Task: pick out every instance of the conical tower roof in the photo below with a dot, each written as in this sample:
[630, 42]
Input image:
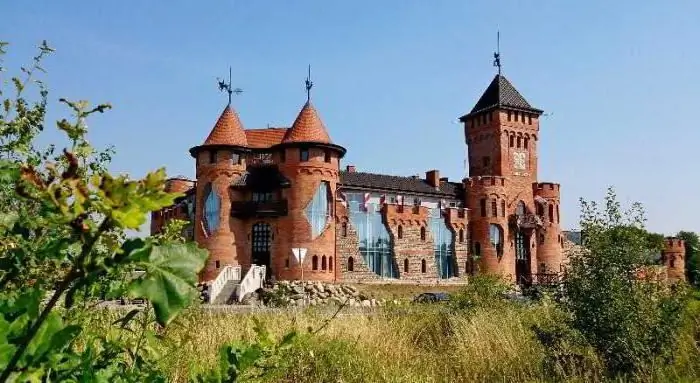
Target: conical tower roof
[307, 127]
[502, 94]
[228, 130]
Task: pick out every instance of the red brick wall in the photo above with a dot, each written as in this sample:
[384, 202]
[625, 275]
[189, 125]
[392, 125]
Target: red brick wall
[674, 258]
[222, 243]
[549, 251]
[295, 228]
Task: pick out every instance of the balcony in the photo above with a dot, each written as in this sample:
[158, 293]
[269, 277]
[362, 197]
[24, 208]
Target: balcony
[526, 221]
[259, 209]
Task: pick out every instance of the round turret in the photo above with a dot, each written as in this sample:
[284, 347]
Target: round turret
[220, 163]
[488, 224]
[673, 257]
[549, 239]
[310, 161]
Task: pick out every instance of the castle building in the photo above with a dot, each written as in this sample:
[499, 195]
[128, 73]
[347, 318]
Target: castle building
[259, 193]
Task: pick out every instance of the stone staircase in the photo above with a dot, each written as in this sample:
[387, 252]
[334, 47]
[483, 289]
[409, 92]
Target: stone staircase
[227, 295]
[229, 288]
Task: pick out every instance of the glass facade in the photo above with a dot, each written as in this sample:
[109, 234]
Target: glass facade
[319, 209]
[212, 206]
[444, 244]
[374, 238]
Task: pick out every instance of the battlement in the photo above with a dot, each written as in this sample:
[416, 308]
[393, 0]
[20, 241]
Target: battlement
[546, 186]
[484, 181]
[548, 190]
[674, 245]
[178, 184]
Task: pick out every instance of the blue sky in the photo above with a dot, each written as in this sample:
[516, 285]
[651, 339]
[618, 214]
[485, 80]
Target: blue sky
[618, 79]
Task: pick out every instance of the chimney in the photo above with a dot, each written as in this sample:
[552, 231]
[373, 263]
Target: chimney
[433, 178]
[443, 180]
[350, 168]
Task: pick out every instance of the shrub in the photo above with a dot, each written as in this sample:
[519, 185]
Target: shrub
[629, 322]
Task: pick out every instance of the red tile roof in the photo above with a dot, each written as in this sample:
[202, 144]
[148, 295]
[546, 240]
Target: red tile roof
[264, 138]
[228, 130]
[308, 127]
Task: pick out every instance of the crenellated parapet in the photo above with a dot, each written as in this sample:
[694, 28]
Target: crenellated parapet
[405, 215]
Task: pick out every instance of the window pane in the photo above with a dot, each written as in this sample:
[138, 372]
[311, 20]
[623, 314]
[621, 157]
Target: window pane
[212, 205]
[373, 236]
[443, 244]
[318, 210]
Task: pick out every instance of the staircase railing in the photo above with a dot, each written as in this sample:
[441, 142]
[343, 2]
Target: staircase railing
[253, 280]
[228, 273]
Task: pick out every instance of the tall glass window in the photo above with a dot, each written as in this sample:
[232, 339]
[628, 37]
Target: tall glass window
[444, 244]
[374, 238]
[496, 236]
[318, 211]
[212, 206]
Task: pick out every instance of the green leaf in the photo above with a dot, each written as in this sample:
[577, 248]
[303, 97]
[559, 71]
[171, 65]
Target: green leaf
[170, 278]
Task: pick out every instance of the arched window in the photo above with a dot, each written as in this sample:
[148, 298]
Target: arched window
[525, 140]
[323, 263]
[496, 237]
[405, 265]
[314, 262]
[330, 263]
[540, 209]
[520, 140]
[399, 232]
[551, 213]
[423, 266]
[212, 207]
[512, 141]
[494, 208]
[351, 264]
[520, 209]
[557, 213]
[461, 236]
[286, 263]
[477, 249]
[422, 233]
[503, 208]
[344, 229]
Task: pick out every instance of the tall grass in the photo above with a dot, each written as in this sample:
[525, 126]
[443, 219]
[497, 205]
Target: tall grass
[401, 344]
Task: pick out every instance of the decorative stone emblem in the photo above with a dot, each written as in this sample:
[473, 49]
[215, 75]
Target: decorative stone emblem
[520, 160]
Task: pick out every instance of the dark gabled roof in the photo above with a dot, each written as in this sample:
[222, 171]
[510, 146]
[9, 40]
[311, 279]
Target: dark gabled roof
[501, 93]
[262, 178]
[398, 184]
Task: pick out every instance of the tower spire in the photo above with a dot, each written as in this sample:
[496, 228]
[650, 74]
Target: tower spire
[309, 85]
[497, 53]
[223, 86]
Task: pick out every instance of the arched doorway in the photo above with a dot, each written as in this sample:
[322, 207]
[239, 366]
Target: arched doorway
[522, 250]
[261, 241]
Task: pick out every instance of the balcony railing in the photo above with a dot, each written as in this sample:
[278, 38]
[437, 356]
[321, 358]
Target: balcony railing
[257, 209]
[526, 221]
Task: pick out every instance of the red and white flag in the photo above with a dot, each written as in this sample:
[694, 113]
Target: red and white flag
[399, 200]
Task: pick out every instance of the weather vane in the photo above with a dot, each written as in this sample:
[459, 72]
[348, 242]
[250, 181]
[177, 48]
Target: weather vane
[309, 85]
[497, 53]
[227, 87]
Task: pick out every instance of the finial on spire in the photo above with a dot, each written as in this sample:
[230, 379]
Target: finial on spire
[309, 85]
[227, 87]
[497, 53]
